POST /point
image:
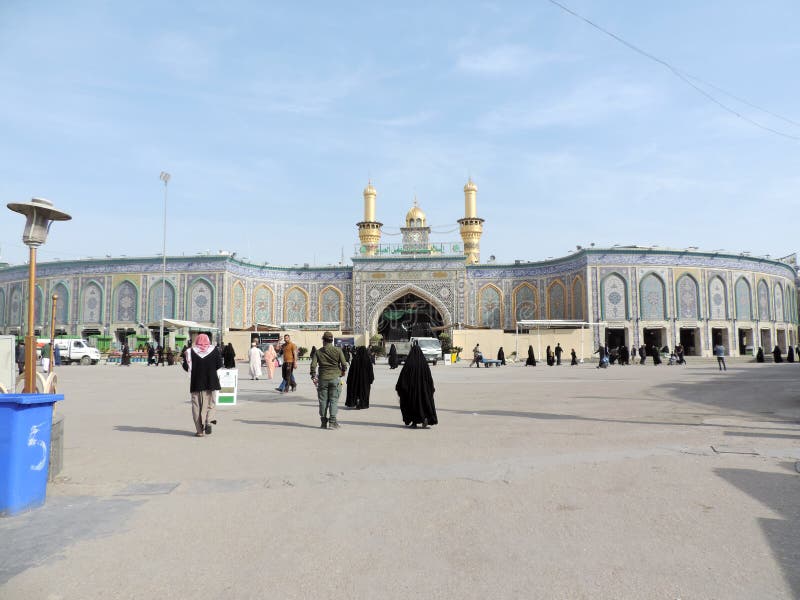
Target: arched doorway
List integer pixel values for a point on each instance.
(408, 316)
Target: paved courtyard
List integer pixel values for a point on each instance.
(563, 482)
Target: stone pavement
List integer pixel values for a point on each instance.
(563, 482)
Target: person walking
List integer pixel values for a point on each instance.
(125, 361)
(642, 355)
(574, 358)
(531, 362)
(760, 355)
(656, 355)
(602, 362)
(776, 355)
(359, 380)
(254, 357)
(719, 352)
(680, 353)
(551, 359)
(477, 356)
(789, 354)
(501, 356)
(202, 361)
(46, 358)
(270, 356)
(290, 362)
(229, 356)
(332, 366)
(415, 388)
(393, 361)
(558, 353)
(160, 353)
(20, 357)
(151, 354)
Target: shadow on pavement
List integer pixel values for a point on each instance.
(131, 428)
(750, 395)
(371, 424)
(564, 417)
(780, 492)
(277, 423)
(35, 538)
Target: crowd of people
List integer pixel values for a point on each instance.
(329, 364)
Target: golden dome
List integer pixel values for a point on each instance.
(415, 217)
(470, 186)
(369, 190)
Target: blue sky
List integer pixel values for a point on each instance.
(271, 118)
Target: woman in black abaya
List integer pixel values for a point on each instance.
(393, 362)
(229, 357)
(531, 362)
(790, 354)
(359, 380)
(776, 355)
(501, 356)
(415, 388)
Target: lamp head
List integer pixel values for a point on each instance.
(39, 214)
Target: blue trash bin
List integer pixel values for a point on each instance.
(25, 421)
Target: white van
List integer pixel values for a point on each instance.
(431, 349)
(74, 350)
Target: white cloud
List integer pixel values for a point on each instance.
(303, 94)
(407, 120)
(507, 59)
(590, 102)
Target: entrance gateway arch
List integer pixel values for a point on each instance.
(406, 311)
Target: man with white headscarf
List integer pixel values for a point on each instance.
(202, 361)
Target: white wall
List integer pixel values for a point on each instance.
(492, 339)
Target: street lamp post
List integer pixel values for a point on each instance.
(39, 214)
(53, 332)
(165, 177)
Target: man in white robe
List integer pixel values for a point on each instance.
(254, 356)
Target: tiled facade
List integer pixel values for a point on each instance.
(630, 290)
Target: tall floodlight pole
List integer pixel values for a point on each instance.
(165, 178)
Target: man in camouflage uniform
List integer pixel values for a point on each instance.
(332, 366)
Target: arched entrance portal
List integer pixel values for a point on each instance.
(407, 316)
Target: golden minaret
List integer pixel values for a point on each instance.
(471, 225)
(369, 230)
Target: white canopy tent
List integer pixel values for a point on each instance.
(178, 324)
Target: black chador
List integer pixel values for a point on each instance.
(760, 355)
(501, 356)
(415, 388)
(393, 362)
(656, 355)
(790, 354)
(229, 357)
(531, 362)
(359, 380)
(776, 355)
